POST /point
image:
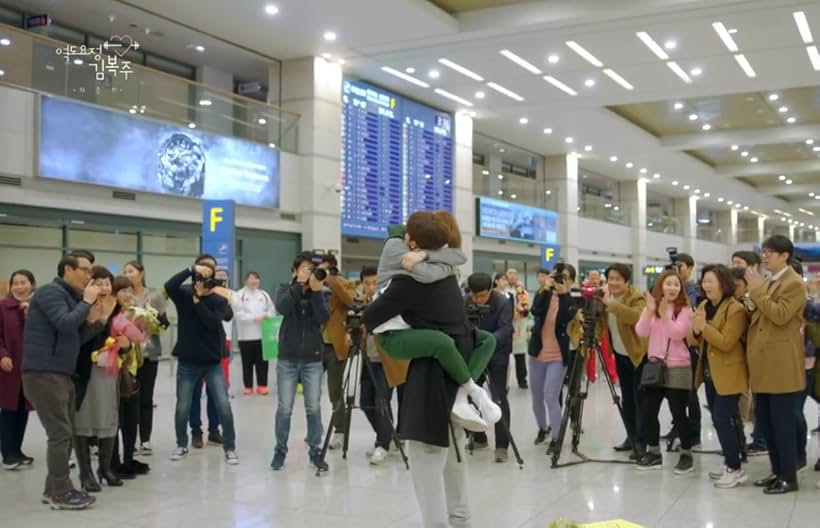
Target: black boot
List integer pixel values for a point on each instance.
(83, 453)
(106, 455)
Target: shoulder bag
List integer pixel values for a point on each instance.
(654, 372)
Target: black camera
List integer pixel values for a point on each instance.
(476, 312)
(673, 258)
(207, 282)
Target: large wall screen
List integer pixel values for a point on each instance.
(81, 143)
(397, 158)
(512, 221)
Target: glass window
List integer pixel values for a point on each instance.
(41, 262)
(599, 198)
(181, 244)
(170, 66)
(22, 235)
(115, 240)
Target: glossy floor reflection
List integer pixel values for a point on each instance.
(203, 491)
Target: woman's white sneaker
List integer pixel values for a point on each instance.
(732, 478)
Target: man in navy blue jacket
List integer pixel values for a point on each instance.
(60, 319)
(304, 309)
(199, 347)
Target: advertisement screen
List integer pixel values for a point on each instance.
(397, 158)
(84, 144)
(511, 221)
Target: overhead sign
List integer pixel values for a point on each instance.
(550, 255)
(512, 221)
(219, 232)
(657, 270)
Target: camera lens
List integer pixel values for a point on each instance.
(320, 274)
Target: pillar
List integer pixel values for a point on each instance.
(212, 118)
(463, 201)
(761, 230)
(633, 198)
(686, 212)
(494, 185)
(561, 176)
(727, 222)
(791, 232)
(312, 87)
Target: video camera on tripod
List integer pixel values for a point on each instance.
(476, 312)
(354, 320)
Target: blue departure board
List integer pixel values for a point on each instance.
(397, 158)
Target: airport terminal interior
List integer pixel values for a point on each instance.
(551, 143)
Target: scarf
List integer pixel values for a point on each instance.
(711, 309)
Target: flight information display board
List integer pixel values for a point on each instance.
(397, 158)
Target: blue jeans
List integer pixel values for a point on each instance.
(725, 413)
(196, 411)
(288, 374)
(189, 376)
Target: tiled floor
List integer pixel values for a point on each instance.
(203, 491)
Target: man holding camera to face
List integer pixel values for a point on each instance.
(199, 350)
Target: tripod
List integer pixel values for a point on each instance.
(574, 407)
(348, 402)
(504, 423)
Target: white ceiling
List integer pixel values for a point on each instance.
(414, 33)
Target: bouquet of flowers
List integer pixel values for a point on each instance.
(136, 324)
(147, 319)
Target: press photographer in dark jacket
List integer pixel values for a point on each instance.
(498, 322)
(199, 347)
(304, 309)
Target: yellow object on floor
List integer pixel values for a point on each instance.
(617, 523)
(299, 388)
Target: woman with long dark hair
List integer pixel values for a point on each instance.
(719, 329)
(14, 408)
(666, 321)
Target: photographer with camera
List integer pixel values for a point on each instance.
(304, 309)
(493, 314)
(199, 350)
(623, 306)
(336, 349)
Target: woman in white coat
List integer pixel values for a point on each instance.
(251, 305)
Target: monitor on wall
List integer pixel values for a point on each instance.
(397, 158)
(512, 221)
(86, 144)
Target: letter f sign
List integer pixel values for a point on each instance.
(549, 253)
(216, 217)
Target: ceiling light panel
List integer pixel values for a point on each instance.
(520, 61)
(725, 36)
(803, 27)
(461, 69)
(405, 77)
(584, 54)
(675, 67)
(743, 62)
(509, 93)
(618, 79)
(453, 97)
(561, 86)
(653, 46)
(814, 57)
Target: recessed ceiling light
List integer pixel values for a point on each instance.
(523, 120)
(695, 72)
(753, 159)
(707, 127)
(132, 110)
(725, 36)
(547, 131)
(670, 44)
(686, 187)
(584, 54)
(678, 106)
(643, 170)
(5, 42)
(453, 97)
(588, 148)
(530, 67)
(548, 191)
(589, 83)
(500, 193)
(410, 70)
(809, 142)
(500, 176)
(205, 102)
(803, 27)
(2, 73)
(774, 97)
(693, 117)
(501, 150)
(480, 95)
(816, 148)
(788, 182)
(629, 164)
(561, 86)
(675, 183)
(734, 147)
(791, 120)
(513, 196)
(613, 159)
(485, 172)
(782, 177)
(191, 125)
(730, 202)
(744, 153)
(553, 59)
(623, 83)
(461, 69)
(434, 74)
(262, 121)
(271, 10)
(744, 64)
(783, 109)
(697, 191)
(675, 67)
(330, 36)
(811, 194)
(200, 48)
(720, 199)
(78, 62)
(568, 140)
(404, 76)
(272, 145)
(738, 206)
(745, 207)
(707, 195)
(656, 176)
(509, 93)
(653, 46)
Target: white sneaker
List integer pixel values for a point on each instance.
(465, 415)
(145, 449)
(490, 411)
(179, 453)
(379, 455)
(718, 473)
(337, 441)
(732, 478)
(231, 458)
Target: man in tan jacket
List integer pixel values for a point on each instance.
(776, 359)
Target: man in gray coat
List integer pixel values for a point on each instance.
(60, 318)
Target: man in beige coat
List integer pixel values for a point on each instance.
(776, 359)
